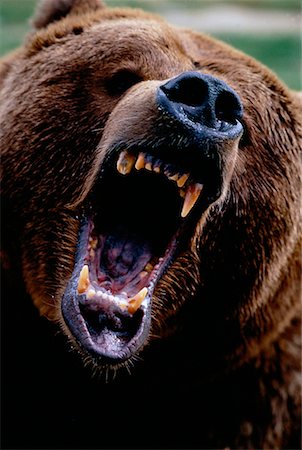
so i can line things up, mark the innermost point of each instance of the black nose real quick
(193, 98)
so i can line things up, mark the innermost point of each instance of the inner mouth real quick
(136, 215)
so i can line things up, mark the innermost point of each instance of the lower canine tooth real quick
(125, 163)
(83, 280)
(192, 194)
(137, 300)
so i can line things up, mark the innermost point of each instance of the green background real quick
(280, 51)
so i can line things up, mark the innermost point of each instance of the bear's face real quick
(142, 175)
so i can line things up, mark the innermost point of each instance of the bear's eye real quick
(121, 81)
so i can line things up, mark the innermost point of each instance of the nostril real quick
(228, 107)
(190, 91)
(193, 98)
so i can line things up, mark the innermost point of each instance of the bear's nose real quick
(201, 99)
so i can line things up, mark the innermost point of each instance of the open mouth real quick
(137, 220)
(134, 232)
(143, 210)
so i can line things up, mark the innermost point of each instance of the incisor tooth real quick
(91, 293)
(137, 300)
(93, 242)
(83, 280)
(182, 180)
(149, 267)
(140, 163)
(173, 177)
(123, 304)
(192, 194)
(143, 274)
(125, 163)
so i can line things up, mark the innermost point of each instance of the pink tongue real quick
(122, 261)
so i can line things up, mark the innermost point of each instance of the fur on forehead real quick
(49, 11)
(75, 23)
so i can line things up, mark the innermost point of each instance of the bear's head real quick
(150, 184)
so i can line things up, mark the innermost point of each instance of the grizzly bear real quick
(151, 212)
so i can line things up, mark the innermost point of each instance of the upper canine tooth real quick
(137, 300)
(83, 282)
(182, 180)
(125, 163)
(140, 163)
(192, 194)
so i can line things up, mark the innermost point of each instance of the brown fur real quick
(234, 294)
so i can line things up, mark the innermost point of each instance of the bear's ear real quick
(52, 10)
(298, 96)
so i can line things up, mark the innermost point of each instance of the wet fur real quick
(223, 366)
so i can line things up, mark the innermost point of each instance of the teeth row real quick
(85, 287)
(126, 162)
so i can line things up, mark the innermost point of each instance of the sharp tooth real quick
(182, 180)
(192, 194)
(136, 301)
(148, 166)
(140, 163)
(156, 169)
(83, 280)
(125, 163)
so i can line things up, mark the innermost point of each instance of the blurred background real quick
(269, 30)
